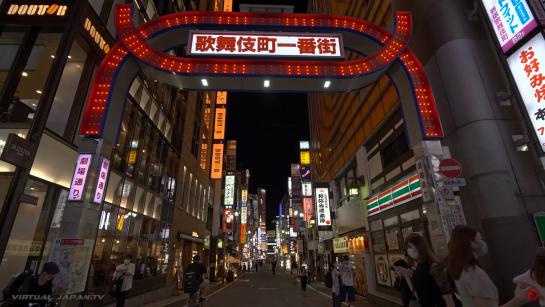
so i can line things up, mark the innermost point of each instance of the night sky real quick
(268, 128)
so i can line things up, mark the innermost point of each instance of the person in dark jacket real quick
(35, 289)
(430, 279)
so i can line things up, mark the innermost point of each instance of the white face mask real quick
(126, 261)
(413, 253)
(480, 248)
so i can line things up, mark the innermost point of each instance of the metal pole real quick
(18, 182)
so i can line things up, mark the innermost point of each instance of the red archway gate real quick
(145, 48)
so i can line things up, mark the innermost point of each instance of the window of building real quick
(29, 231)
(34, 76)
(394, 150)
(9, 45)
(68, 85)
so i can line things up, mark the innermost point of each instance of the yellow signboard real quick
(217, 161)
(305, 157)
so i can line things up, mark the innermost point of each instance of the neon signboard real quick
(525, 65)
(80, 177)
(292, 45)
(322, 205)
(511, 20)
(229, 190)
(101, 182)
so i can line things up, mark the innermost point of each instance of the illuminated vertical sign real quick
(244, 197)
(309, 208)
(229, 199)
(227, 5)
(525, 65)
(221, 98)
(217, 161)
(219, 123)
(322, 206)
(304, 145)
(243, 215)
(305, 157)
(511, 20)
(307, 188)
(80, 177)
(101, 182)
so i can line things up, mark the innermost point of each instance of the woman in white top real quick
(124, 271)
(535, 278)
(474, 286)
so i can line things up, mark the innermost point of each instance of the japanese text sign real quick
(219, 124)
(511, 20)
(266, 44)
(307, 188)
(80, 176)
(101, 182)
(525, 65)
(305, 157)
(322, 206)
(309, 208)
(243, 214)
(229, 190)
(217, 161)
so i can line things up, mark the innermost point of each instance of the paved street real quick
(261, 289)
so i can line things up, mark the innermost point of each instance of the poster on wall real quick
(383, 270)
(392, 239)
(392, 258)
(73, 257)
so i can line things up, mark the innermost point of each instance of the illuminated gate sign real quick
(525, 65)
(511, 20)
(266, 44)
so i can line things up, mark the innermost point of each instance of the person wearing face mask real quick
(474, 286)
(430, 280)
(124, 273)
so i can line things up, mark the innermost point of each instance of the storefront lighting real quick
(103, 240)
(117, 241)
(296, 213)
(69, 56)
(353, 191)
(52, 56)
(33, 104)
(24, 74)
(236, 213)
(327, 84)
(301, 214)
(204, 82)
(38, 91)
(267, 83)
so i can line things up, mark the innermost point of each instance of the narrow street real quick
(262, 289)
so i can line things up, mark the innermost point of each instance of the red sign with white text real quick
(266, 44)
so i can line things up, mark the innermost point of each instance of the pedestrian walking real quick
(347, 281)
(122, 280)
(304, 278)
(403, 282)
(273, 267)
(473, 285)
(430, 279)
(534, 277)
(34, 287)
(332, 281)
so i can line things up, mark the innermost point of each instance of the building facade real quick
(363, 146)
(157, 195)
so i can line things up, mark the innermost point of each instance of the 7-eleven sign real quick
(401, 193)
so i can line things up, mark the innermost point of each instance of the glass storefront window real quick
(31, 86)
(28, 232)
(9, 44)
(68, 85)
